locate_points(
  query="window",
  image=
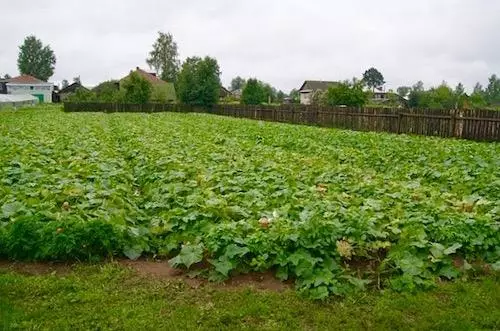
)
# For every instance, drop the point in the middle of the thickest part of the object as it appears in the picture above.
(31, 87)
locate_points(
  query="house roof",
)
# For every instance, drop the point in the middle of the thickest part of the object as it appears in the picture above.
(224, 92)
(72, 88)
(150, 77)
(25, 79)
(315, 85)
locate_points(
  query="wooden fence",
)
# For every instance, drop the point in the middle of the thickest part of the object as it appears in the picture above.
(465, 124)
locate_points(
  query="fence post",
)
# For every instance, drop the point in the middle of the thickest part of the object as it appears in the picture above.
(453, 122)
(400, 118)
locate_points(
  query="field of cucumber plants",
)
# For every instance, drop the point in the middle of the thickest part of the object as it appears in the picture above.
(335, 211)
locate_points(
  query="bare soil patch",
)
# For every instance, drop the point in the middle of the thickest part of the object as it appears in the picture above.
(159, 270)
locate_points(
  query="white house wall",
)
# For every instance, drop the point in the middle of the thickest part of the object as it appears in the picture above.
(305, 98)
(33, 89)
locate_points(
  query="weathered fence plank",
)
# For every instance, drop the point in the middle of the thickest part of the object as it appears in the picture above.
(466, 124)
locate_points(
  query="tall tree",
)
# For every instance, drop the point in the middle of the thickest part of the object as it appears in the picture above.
(459, 90)
(373, 78)
(77, 80)
(35, 59)
(164, 58)
(64, 83)
(198, 82)
(418, 86)
(254, 93)
(403, 90)
(237, 83)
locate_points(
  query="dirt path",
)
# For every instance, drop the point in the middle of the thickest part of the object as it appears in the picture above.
(154, 269)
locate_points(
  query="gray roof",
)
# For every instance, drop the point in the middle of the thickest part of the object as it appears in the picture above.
(315, 85)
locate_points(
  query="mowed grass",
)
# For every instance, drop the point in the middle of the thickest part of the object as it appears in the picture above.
(111, 297)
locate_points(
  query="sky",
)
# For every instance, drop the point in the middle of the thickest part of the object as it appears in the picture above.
(280, 42)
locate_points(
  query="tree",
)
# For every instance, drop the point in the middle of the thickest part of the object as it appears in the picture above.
(269, 92)
(459, 90)
(64, 83)
(345, 94)
(478, 88)
(237, 83)
(441, 97)
(295, 96)
(35, 59)
(373, 78)
(137, 89)
(403, 90)
(164, 58)
(419, 86)
(77, 80)
(493, 90)
(198, 82)
(254, 93)
(460, 96)
(280, 96)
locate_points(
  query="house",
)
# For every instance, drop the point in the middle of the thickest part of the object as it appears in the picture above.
(69, 90)
(311, 87)
(26, 84)
(237, 93)
(162, 91)
(379, 96)
(224, 92)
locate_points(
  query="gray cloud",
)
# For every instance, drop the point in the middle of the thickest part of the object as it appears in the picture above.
(282, 42)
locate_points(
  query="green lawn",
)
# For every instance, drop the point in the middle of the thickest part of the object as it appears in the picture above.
(110, 297)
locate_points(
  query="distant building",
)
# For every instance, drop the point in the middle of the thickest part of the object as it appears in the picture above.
(66, 92)
(224, 92)
(379, 96)
(237, 93)
(311, 87)
(26, 84)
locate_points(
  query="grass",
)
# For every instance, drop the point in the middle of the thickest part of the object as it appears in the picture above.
(112, 297)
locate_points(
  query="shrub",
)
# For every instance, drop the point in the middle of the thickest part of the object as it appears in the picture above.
(345, 94)
(253, 93)
(136, 89)
(82, 95)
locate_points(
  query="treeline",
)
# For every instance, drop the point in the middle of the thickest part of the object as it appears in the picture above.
(197, 82)
(444, 97)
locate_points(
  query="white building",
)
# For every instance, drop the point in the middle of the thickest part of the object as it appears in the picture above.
(26, 84)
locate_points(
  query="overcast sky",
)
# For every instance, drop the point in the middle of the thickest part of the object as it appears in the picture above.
(280, 42)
